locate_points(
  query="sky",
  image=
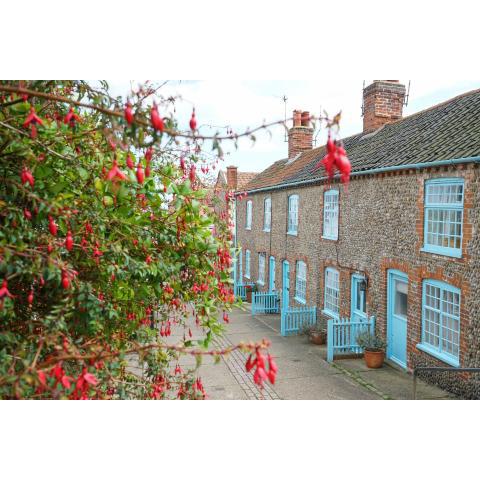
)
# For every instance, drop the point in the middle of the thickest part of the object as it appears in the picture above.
(248, 103)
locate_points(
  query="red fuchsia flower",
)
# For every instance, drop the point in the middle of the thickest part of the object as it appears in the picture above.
(336, 158)
(66, 381)
(147, 171)
(250, 363)
(26, 176)
(31, 121)
(190, 333)
(182, 164)
(27, 214)
(4, 290)
(148, 260)
(42, 378)
(30, 297)
(69, 241)
(191, 174)
(148, 154)
(65, 280)
(157, 121)
(90, 378)
(225, 317)
(52, 226)
(115, 173)
(140, 175)
(272, 369)
(193, 122)
(260, 376)
(129, 113)
(178, 370)
(130, 164)
(71, 118)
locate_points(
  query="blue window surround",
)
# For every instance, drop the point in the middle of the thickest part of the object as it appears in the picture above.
(332, 192)
(267, 227)
(447, 251)
(430, 349)
(249, 215)
(298, 298)
(291, 231)
(247, 264)
(326, 310)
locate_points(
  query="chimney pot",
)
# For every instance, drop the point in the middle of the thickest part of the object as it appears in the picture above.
(305, 119)
(297, 118)
(300, 136)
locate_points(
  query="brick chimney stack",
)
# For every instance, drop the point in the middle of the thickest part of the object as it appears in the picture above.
(300, 136)
(382, 103)
(232, 177)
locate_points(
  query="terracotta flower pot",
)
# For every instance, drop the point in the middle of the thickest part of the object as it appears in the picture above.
(318, 338)
(374, 359)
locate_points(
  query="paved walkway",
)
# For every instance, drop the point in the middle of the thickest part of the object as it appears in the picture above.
(303, 373)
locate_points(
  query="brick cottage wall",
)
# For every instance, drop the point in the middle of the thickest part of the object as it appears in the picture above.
(381, 228)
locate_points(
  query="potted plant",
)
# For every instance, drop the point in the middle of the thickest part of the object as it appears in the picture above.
(373, 347)
(249, 289)
(316, 333)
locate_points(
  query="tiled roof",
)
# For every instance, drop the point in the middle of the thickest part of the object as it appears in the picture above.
(446, 131)
(243, 178)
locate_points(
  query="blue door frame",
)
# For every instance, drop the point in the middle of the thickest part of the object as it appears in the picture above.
(358, 302)
(397, 326)
(271, 274)
(285, 284)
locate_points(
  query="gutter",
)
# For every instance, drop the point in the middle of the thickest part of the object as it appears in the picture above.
(374, 171)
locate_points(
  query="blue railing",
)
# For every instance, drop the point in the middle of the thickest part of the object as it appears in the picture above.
(342, 335)
(265, 302)
(241, 290)
(293, 318)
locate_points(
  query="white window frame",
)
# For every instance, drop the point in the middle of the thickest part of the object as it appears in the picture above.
(247, 264)
(443, 212)
(330, 214)
(292, 223)
(441, 312)
(301, 282)
(331, 306)
(267, 214)
(261, 268)
(249, 214)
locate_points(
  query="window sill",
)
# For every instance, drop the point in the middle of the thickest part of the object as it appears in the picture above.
(295, 234)
(325, 237)
(266, 230)
(247, 277)
(331, 314)
(246, 228)
(260, 283)
(300, 300)
(439, 355)
(442, 251)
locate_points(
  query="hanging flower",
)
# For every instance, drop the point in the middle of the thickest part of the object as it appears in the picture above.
(32, 121)
(128, 113)
(115, 173)
(4, 290)
(157, 121)
(71, 118)
(193, 122)
(27, 176)
(52, 226)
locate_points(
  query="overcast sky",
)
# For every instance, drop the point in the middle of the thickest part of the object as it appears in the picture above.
(244, 103)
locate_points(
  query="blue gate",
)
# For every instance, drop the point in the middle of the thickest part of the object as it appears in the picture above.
(241, 290)
(265, 302)
(293, 318)
(342, 335)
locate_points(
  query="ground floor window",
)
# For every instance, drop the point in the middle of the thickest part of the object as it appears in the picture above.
(301, 282)
(441, 321)
(247, 263)
(332, 292)
(261, 268)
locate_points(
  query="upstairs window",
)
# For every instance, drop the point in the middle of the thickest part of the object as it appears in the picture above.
(444, 216)
(332, 293)
(292, 214)
(267, 214)
(247, 263)
(248, 224)
(261, 268)
(441, 321)
(330, 214)
(301, 282)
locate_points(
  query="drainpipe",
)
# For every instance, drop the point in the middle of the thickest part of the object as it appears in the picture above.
(374, 171)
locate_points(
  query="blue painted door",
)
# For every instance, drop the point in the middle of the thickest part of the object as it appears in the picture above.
(359, 302)
(397, 308)
(285, 285)
(271, 275)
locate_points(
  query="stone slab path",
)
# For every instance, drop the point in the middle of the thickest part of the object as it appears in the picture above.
(303, 373)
